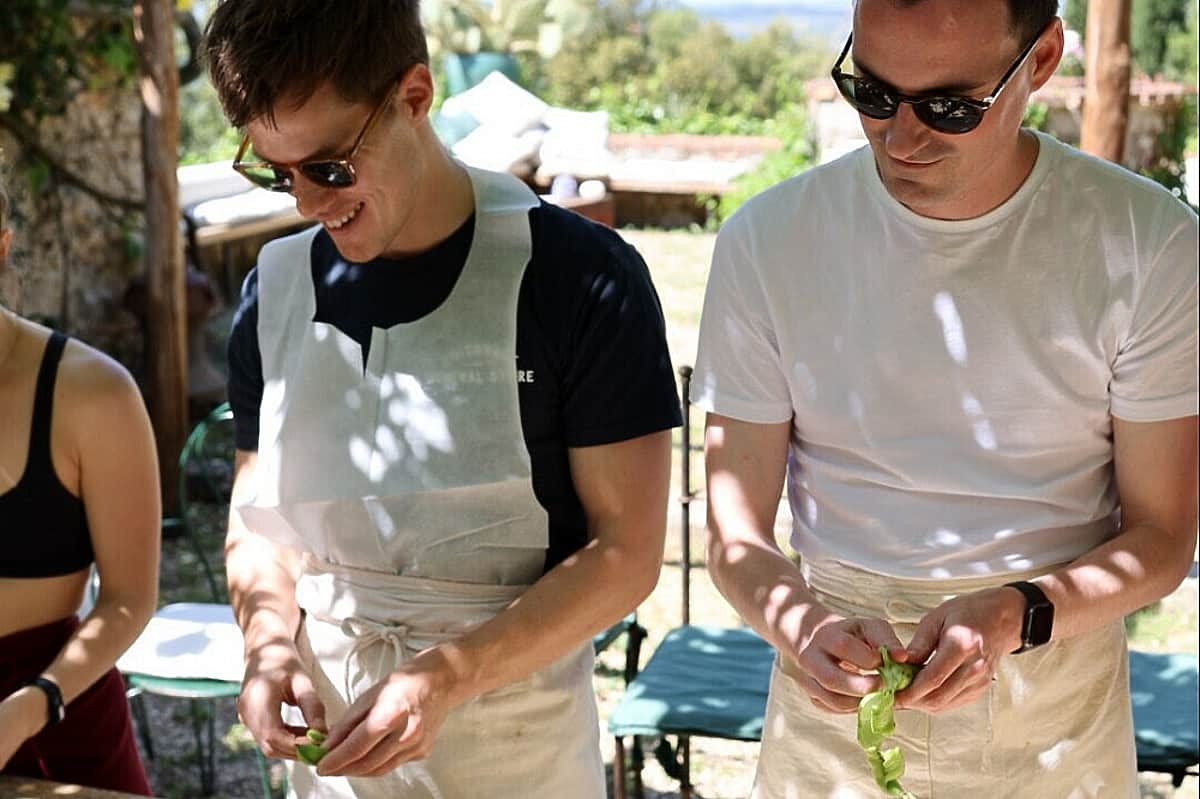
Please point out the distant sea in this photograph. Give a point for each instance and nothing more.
(828, 20)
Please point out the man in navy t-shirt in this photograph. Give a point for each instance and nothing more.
(453, 407)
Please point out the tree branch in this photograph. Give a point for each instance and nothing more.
(25, 136)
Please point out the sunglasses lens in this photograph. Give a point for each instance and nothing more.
(267, 177)
(867, 97)
(334, 174)
(948, 115)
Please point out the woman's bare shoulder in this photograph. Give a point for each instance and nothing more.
(94, 387)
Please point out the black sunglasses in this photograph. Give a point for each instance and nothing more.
(332, 173)
(878, 100)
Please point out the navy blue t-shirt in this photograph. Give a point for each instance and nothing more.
(592, 368)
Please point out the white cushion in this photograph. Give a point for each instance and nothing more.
(498, 102)
(188, 640)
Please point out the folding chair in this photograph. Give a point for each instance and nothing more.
(701, 681)
(1166, 712)
(192, 650)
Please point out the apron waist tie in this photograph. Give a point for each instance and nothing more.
(367, 633)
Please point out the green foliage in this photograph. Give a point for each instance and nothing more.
(1175, 141)
(797, 154)
(50, 49)
(204, 134)
(664, 69)
(1163, 35)
(1153, 22)
(471, 26)
(1074, 14)
(1035, 116)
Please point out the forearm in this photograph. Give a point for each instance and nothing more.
(262, 588)
(1139, 566)
(586, 593)
(767, 590)
(113, 624)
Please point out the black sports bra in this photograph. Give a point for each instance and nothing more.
(43, 526)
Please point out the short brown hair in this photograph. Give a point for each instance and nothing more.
(259, 52)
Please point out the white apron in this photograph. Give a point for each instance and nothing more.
(405, 481)
(1056, 722)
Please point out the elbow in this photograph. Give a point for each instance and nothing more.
(645, 578)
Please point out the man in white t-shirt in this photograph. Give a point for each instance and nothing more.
(972, 352)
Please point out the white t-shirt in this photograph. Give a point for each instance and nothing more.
(951, 384)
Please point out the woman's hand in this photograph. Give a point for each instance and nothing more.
(23, 713)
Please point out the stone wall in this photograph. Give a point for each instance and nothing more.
(73, 254)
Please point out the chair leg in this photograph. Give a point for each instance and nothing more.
(264, 773)
(205, 754)
(138, 706)
(685, 784)
(618, 767)
(638, 761)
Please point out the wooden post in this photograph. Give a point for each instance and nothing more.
(166, 313)
(1106, 98)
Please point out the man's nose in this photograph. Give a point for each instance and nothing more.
(312, 199)
(906, 135)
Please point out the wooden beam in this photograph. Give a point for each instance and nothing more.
(1107, 68)
(166, 311)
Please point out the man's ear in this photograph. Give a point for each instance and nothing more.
(414, 92)
(1046, 55)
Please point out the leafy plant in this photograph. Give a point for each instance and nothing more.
(470, 26)
(51, 49)
(797, 154)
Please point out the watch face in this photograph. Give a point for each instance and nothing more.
(1041, 624)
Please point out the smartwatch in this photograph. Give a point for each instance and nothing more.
(54, 703)
(1037, 622)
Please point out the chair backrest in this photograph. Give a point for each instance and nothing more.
(205, 485)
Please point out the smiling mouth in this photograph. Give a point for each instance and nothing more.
(336, 224)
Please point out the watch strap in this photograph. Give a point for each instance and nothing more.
(1038, 617)
(55, 711)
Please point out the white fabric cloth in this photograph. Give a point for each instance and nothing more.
(1056, 722)
(951, 384)
(405, 481)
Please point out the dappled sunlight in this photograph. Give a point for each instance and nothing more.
(952, 326)
(943, 539)
(982, 428)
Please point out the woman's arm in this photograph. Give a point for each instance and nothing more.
(99, 411)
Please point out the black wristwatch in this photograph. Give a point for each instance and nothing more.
(54, 704)
(1037, 623)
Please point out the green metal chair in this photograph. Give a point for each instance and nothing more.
(185, 651)
(1166, 712)
(701, 681)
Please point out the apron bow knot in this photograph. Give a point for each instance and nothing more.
(366, 634)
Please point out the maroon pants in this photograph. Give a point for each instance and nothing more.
(93, 745)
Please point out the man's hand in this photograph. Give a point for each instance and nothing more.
(393, 723)
(276, 675)
(829, 668)
(962, 639)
